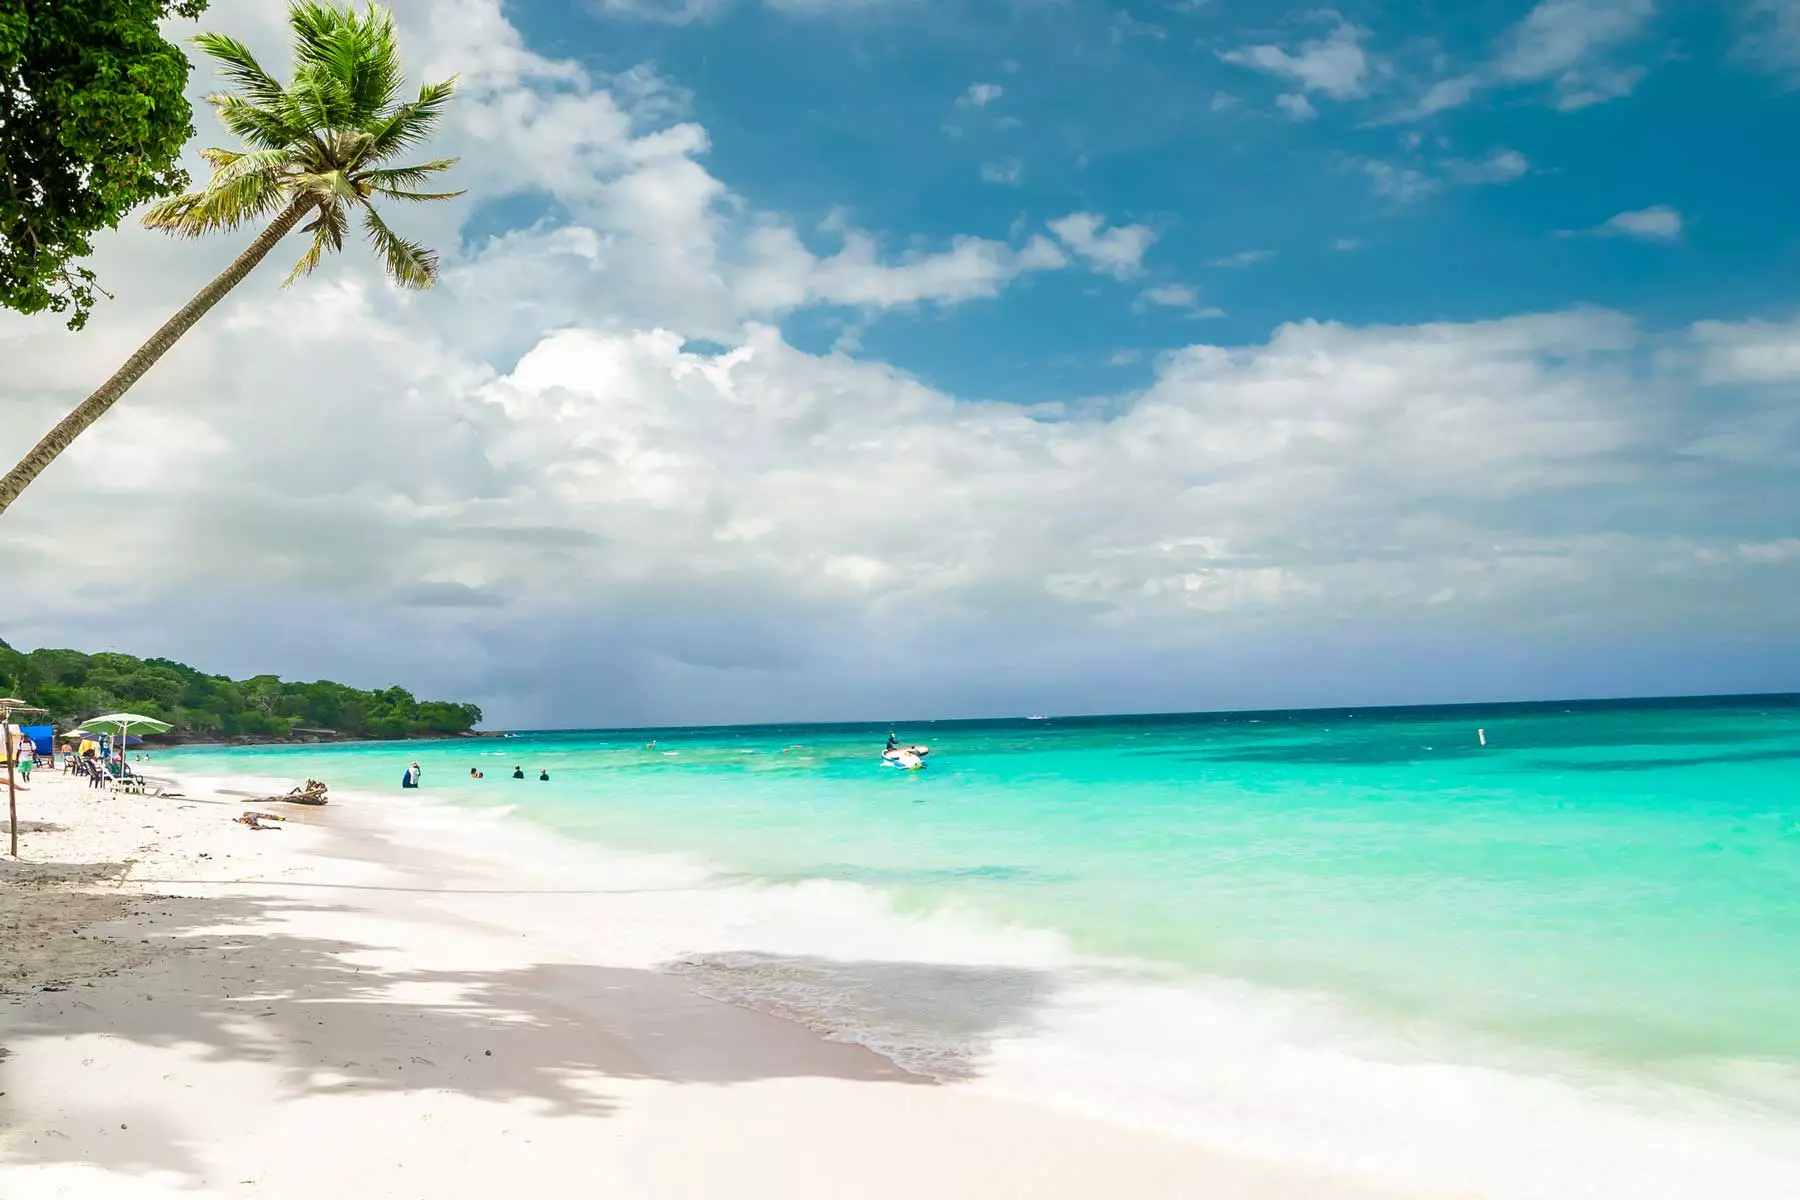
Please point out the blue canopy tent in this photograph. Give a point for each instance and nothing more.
(42, 736)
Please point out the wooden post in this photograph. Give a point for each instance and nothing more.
(12, 796)
(8, 707)
(12, 800)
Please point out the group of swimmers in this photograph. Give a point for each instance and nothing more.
(518, 773)
(414, 772)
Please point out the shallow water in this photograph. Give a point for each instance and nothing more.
(1607, 895)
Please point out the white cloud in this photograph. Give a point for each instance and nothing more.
(1570, 45)
(1560, 38)
(1771, 34)
(1346, 244)
(1171, 295)
(1502, 166)
(783, 274)
(1396, 182)
(1223, 101)
(1008, 171)
(980, 95)
(1117, 250)
(1296, 106)
(1445, 93)
(614, 480)
(1243, 258)
(1334, 64)
(667, 12)
(1751, 352)
(1408, 184)
(1659, 223)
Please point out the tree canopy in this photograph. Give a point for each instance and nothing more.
(74, 686)
(92, 122)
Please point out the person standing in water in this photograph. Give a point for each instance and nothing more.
(543, 777)
(519, 772)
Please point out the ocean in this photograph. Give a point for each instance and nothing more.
(1565, 962)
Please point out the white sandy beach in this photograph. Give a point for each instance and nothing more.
(190, 1007)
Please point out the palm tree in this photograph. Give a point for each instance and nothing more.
(318, 147)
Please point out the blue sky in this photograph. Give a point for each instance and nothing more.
(1137, 111)
(821, 359)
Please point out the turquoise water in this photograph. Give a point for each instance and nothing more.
(1613, 883)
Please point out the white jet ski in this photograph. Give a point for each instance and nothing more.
(909, 758)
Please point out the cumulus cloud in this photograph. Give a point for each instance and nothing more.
(667, 12)
(1770, 35)
(1751, 352)
(1117, 250)
(1171, 295)
(980, 95)
(1502, 166)
(1407, 184)
(1296, 106)
(1658, 223)
(1007, 171)
(1244, 258)
(1569, 46)
(1397, 182)
(1335, 64)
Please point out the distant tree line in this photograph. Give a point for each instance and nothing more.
(74, 686)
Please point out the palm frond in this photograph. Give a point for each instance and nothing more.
(402, 194)
(219, 206)
(401, 183)
(408, 263)
(230, 164)
(328, 229)
(411, 123)
(240, 66)
(268, 128)
(352, 57)
(407, 176)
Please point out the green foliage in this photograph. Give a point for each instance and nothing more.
(323, 141)
(74, 686)
(92, 121)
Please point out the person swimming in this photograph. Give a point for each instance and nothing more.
(475, 773)
(518, 772)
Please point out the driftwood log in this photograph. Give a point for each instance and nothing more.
(312, 793)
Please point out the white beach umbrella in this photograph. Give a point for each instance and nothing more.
(123, 723)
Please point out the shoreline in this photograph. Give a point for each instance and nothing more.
(246, 998)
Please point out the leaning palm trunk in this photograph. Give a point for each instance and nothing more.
(109, 393)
